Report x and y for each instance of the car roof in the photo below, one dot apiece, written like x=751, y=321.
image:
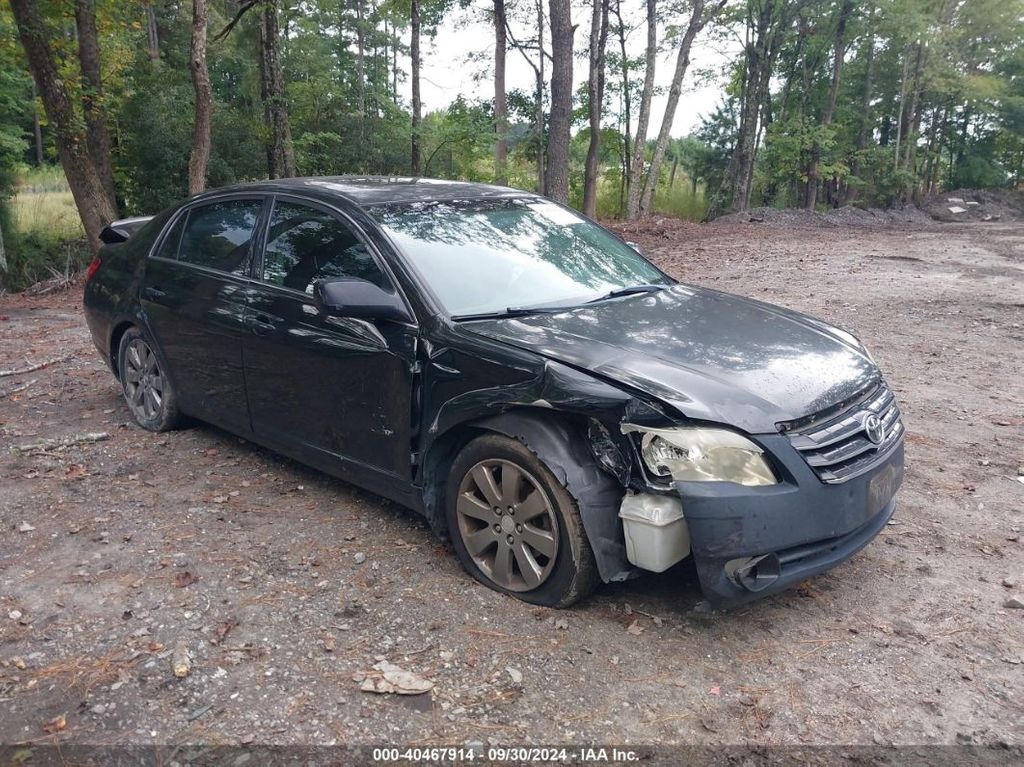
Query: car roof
x=379, y=190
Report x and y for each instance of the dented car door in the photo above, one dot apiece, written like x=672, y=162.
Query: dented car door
x=330, y=389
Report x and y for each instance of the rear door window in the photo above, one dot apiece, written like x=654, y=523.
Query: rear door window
x=305, y=244
x=219, y=235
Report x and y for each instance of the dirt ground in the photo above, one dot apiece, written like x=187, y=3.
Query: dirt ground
x=282, y=583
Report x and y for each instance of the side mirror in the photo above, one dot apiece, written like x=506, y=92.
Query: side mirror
x=359, y=299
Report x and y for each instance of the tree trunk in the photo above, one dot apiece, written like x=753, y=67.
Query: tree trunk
x=765, y=35
x=541, y=183
x=500, y=99
x=865, y=105
x=595, y=97
x=903, y=111
x=37, y=128
x=94, y=205
x=557, y=175
x=626, y=107
x=416, y=160
x=97, y=135
x=200, y=157
x=697, y=22
x=839, y=47
x=360, y=59
x=640, y=140
x=152, y=33
x=280, y=153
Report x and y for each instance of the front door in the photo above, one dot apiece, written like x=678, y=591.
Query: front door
x=335, y=391
x=194, y=297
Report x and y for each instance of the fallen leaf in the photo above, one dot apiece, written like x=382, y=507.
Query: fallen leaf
x=55, y=725
x=635, y=629
x=223, y=630
x=25, y=527
x=184, y=578
x=388, y=678
x=716, y=690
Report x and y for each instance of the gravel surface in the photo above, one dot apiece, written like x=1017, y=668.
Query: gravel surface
x=129, y=557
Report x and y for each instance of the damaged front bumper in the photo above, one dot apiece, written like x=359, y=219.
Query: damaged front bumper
x=748, y=542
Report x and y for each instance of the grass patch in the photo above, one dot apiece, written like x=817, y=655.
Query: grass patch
x=43, y=233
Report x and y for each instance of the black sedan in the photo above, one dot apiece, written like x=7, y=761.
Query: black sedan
x=554, y=404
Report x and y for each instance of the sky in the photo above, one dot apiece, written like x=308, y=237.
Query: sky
x=449, y=69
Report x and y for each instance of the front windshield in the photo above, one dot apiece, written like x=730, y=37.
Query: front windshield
x=484, y=256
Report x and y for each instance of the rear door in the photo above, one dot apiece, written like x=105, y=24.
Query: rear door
x=336, y=391
x=194, y=295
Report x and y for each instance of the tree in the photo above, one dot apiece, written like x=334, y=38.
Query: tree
x=595, y=103
x=280, y=153
x=500, y=99
x=839, y=53
x=640, y=140
x=767, y=22
x=699, y=17
x=94, y=205
x=414, y=54
x=199, y=158
x=97, y=136
x=557, y=173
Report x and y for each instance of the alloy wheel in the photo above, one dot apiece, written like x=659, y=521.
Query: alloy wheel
x=143, y=381
x=507, y=524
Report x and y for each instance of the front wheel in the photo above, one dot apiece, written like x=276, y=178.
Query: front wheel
x=514, y=527
x=147, y=390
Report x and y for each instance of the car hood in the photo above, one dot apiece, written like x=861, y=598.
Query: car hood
x=710, y=355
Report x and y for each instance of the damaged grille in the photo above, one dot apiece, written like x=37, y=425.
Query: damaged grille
x=839, y=448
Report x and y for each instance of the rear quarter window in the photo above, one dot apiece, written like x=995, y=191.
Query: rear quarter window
x=169, y=247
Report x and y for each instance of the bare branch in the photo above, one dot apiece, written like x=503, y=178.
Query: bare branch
x=238, y=17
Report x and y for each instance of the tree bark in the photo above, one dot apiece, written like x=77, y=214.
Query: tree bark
x=811, y=198
x=94, y=204
x=640, y=140
x=37, y=128
x=200, y=157
x=152, y=33
x=557, y=174
x=541, y=143
x=595, y=95
x=97, y=135
x=280, y=153
x=416, y=160
x=500, y=99
x=695, y=25
x=627, y=129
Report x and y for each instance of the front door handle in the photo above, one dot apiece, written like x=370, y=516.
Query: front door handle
x=154, y=293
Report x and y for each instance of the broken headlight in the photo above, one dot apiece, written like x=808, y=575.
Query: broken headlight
x=703, y=454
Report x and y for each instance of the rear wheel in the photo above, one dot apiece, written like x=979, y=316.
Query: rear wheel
x=147, y=390
x=515, y=527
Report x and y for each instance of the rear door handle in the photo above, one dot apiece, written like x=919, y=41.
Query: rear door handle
x=261, y=324
x=154, y=293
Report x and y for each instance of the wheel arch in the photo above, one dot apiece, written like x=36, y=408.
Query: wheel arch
x=559, y=440
x=116, y=334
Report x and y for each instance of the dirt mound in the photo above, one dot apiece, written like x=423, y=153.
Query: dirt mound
x=847, y=216
x=653, y=229
x=961, y=205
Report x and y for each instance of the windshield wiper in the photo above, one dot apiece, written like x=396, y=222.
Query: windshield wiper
x=629, y=291
x=511, y=311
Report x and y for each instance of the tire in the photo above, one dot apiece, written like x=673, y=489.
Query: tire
x=144, y=382
x=543, y=556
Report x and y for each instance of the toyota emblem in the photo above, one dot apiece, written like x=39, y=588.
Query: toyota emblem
x=874, y=429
